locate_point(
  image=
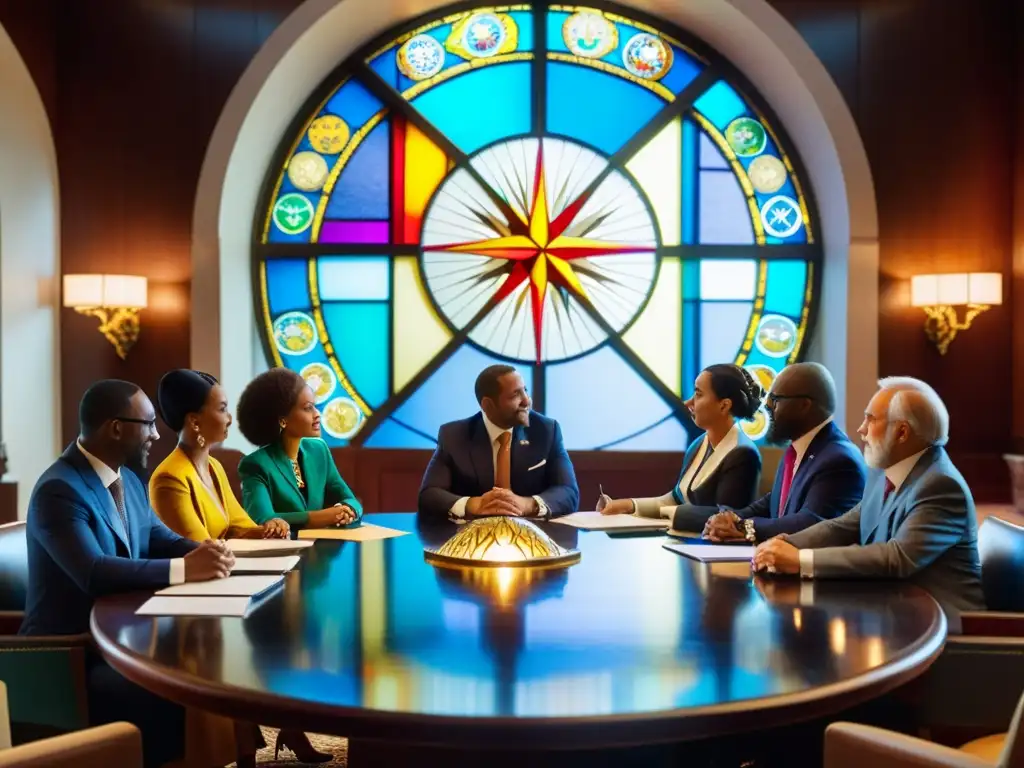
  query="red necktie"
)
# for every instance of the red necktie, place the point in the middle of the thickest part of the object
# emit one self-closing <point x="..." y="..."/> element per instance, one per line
<point x="503" y="463"/>
<point x="889" y="488"/>
<point x="788" y="463"/>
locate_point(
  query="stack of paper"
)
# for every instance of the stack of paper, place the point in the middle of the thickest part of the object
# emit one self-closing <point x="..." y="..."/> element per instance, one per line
<point x="595" y="521"/>
<point x="281" y="564"/>
<point x="364" y="532"/>
<point x="263" y="547"/>
<point x="714" y="553"/>
<point x="232" y="596"/>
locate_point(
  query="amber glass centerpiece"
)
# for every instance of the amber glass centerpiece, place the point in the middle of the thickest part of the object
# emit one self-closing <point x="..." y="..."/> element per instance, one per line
<point x="501" y="542"/>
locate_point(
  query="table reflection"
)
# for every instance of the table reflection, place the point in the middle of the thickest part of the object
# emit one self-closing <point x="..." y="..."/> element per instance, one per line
<point x="630" y="628"/>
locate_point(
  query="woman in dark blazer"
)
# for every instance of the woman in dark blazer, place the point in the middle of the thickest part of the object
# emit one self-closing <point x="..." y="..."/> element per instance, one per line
<point x="723" y="466"/>
<point x="292" y="476"/>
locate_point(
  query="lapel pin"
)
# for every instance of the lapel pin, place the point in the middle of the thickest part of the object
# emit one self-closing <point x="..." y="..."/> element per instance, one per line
<point x="524" y="442"/>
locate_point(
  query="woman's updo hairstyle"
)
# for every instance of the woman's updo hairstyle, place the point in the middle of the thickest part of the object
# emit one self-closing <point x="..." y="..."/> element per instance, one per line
<point x="739" y="386"/>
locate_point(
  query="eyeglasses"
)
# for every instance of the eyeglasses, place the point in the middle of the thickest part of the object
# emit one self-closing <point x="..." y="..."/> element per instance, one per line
<point x="151" y="423"/>
<point x="772" y="399"/>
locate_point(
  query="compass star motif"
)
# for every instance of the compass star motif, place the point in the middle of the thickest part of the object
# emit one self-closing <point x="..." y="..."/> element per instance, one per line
<point x="555" y="258"/>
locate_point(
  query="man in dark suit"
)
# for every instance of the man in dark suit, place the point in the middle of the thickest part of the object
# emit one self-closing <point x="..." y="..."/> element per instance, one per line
<point x="917" y="520"/>
<point x="506" y="460"/>
<point x="821" y="476"/>
<point x="91" y="532"/>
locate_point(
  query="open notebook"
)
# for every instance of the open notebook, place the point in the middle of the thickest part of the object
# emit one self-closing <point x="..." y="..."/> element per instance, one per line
<point x="714" y="553"/>
<point x="195" y="606"/>
<point x="247" y="585"/>
<point x="595" y="521"/>
<point x="260" y="547"/>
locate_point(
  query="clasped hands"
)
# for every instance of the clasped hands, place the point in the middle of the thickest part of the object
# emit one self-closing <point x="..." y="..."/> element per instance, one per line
<point x="501" y="501"/>
<point x="340" y="514"/>
<point x="774" y="556"/>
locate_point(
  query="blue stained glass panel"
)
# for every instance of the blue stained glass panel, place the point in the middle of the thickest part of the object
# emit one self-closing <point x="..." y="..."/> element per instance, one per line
<point x="554" y="28"/>
<point x="460" y="109"/>
<point x="690" y="172"/>
<point x="710" y="155"/>
<point x="359" y="332"/>
<point x="682" y="72"/>
<point x="786" y="283"/>
<point x="667" y="435"/>
<point x="354" y="104"/>
<point x="287" y="285"/>
<point x="524" y="21"/>
<point x="448" y="394"/>
<point x="691" y="345"/>
<point x="724" y="215"/>
<point x="362" y="190"/>
<point x="723" y="326"/>
<point x="615" y="110"/>
<point x="575" y="407"/>
<point x="391" y="434"/>
<point x="720" y="104"/>
<point x="354" y="278"/>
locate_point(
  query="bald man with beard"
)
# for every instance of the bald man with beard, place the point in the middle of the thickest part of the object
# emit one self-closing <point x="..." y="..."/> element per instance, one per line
<point x="821" y="475"/>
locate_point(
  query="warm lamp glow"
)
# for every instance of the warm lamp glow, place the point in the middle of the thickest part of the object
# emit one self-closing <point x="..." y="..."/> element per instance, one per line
<point x="501" y="542"/>
<point x="114" y="299"/>
<point x="939" y="295"/>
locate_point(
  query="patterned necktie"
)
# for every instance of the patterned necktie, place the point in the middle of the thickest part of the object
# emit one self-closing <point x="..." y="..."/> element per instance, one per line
<point x="503" y="463"/>
<point x="788" y="463"/>
<point x="117" y="491"/>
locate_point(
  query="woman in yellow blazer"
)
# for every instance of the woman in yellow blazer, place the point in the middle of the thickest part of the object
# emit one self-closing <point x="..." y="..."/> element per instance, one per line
<point x="190" y="492"/>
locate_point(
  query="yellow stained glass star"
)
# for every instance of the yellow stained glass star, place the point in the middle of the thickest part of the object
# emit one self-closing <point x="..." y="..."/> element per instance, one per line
<point x="539" y="251"/>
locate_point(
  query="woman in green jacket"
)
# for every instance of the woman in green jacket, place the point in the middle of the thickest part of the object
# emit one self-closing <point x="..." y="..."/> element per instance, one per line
<point x="292" y="476"/>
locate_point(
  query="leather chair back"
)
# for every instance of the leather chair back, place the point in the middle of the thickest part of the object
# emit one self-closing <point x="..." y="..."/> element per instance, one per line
<point x="13" y="567"/>
<point x="1001" y="546"/>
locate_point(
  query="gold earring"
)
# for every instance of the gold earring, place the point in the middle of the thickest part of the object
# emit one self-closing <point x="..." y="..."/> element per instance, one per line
<point x="200" y="440"/>
<point x="282" y="424"/>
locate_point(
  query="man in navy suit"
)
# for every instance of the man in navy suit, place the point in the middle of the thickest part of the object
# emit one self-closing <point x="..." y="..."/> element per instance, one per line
<point x="821" y="476"/>
<point x="91" y="532"/>
<point x="507" y="460"/>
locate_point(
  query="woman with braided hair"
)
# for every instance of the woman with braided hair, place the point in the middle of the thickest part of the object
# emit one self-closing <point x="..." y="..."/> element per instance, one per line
<point x="722" y="466"/>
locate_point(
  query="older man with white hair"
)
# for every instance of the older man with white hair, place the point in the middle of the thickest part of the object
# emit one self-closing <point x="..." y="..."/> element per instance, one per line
<point x="916" y="520"/>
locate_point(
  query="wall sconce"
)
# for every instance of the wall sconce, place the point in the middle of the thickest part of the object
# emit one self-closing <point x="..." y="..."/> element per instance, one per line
<point x="940" y="295"/>
<point x="114" y="299"/>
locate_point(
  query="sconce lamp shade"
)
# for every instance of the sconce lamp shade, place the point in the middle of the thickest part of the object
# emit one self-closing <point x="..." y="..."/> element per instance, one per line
<point x="956" y="289"/>
<point x="122" y="291"/>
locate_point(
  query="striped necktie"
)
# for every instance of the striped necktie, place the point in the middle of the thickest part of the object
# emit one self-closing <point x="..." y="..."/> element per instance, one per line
<point x="117" y="492"/>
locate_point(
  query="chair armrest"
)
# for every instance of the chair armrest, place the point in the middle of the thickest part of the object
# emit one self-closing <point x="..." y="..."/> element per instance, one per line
<point x="117" y="744"/>
<point x="992" y="624"/>
<point x="848" y="745"/>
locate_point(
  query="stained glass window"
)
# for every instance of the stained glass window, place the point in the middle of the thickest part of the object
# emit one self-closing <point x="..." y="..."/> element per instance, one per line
<point x="585" y="193"/>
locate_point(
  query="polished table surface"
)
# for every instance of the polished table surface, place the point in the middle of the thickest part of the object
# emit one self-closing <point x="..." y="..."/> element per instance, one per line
<point x="631" y="645"/>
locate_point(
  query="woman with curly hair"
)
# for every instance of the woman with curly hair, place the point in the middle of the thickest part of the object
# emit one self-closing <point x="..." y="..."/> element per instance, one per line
<point x="722" y="466"/>
<point x="292" y="476"/>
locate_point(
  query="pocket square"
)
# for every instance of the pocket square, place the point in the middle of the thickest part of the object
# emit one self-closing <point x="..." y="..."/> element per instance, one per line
<point x="539" y="464"/>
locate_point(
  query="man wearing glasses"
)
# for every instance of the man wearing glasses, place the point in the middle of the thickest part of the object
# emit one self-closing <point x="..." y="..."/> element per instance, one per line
<point x="90" y="532"/>
<point x="821" y="476"/>
<point x="917" y="520"/>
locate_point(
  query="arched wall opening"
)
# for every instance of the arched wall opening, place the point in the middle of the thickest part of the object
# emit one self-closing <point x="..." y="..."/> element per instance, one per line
<point x="750" y="33"/>
<point x="29" y="270"/>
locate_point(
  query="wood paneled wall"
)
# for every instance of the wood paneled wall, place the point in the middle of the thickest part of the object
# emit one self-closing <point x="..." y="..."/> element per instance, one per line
<point x="135" y="87"/>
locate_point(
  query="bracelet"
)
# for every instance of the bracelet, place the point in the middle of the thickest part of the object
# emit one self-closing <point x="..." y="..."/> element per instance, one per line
<point x="750" y="534"/>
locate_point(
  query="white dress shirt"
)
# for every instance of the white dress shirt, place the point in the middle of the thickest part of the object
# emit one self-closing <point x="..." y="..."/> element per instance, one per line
<point x="108" y="477"/>
<point x="897" y="474"/>
<point x="802" y="443"/>
<point x="494" y="432"/>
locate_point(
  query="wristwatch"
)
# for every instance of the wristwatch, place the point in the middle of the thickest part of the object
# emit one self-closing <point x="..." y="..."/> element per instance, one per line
<point x="748" y="531"/>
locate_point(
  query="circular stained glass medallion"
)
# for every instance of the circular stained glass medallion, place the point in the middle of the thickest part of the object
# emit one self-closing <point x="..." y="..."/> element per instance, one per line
<point x="342" y="418"/>
<point x="321" y="380"/>
<point x="295" y="333"/>
<point x="647" y="56"/>
<point x="757" y="427"/>
<point x="776" y="336"/>
<point x="293" y="214"/>
<point x="483" y="35"/>
<point x="328" y="134"/>
<point x="767" y="174"/>
<point x="781" y="216"/>
<point x="421" y="58"/>
<point x="746" y="136"/>
<point x="589" y="35"/>
<point x="307" y="171"/>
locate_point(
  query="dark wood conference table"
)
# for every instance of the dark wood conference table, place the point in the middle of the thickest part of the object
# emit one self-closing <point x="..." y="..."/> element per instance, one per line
<point x="633" y="645"/>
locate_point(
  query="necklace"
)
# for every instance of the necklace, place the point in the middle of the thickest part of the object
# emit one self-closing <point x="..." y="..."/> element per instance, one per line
<point x="298" y="473"/>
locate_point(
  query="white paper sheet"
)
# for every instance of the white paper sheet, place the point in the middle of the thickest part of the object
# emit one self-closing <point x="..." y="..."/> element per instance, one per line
<point x="195" y="606"/>
<point x="281" y="564"/>
<point x="364" y="532"/>
<point x="261" y="546"/>
<point x="595" y="521"/>
<point x="714" y="553"/>
<point x="233" y="586"/>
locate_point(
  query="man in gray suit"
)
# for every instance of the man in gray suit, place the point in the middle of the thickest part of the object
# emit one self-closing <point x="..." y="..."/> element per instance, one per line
<point x="916" y="520"/>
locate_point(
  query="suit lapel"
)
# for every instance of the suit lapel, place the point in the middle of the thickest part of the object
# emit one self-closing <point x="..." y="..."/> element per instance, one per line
<point x="481" y="455"/>
<point x="284" y="466"/>
<point x="803" y="471"/>
<point x="104" y="501"/>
